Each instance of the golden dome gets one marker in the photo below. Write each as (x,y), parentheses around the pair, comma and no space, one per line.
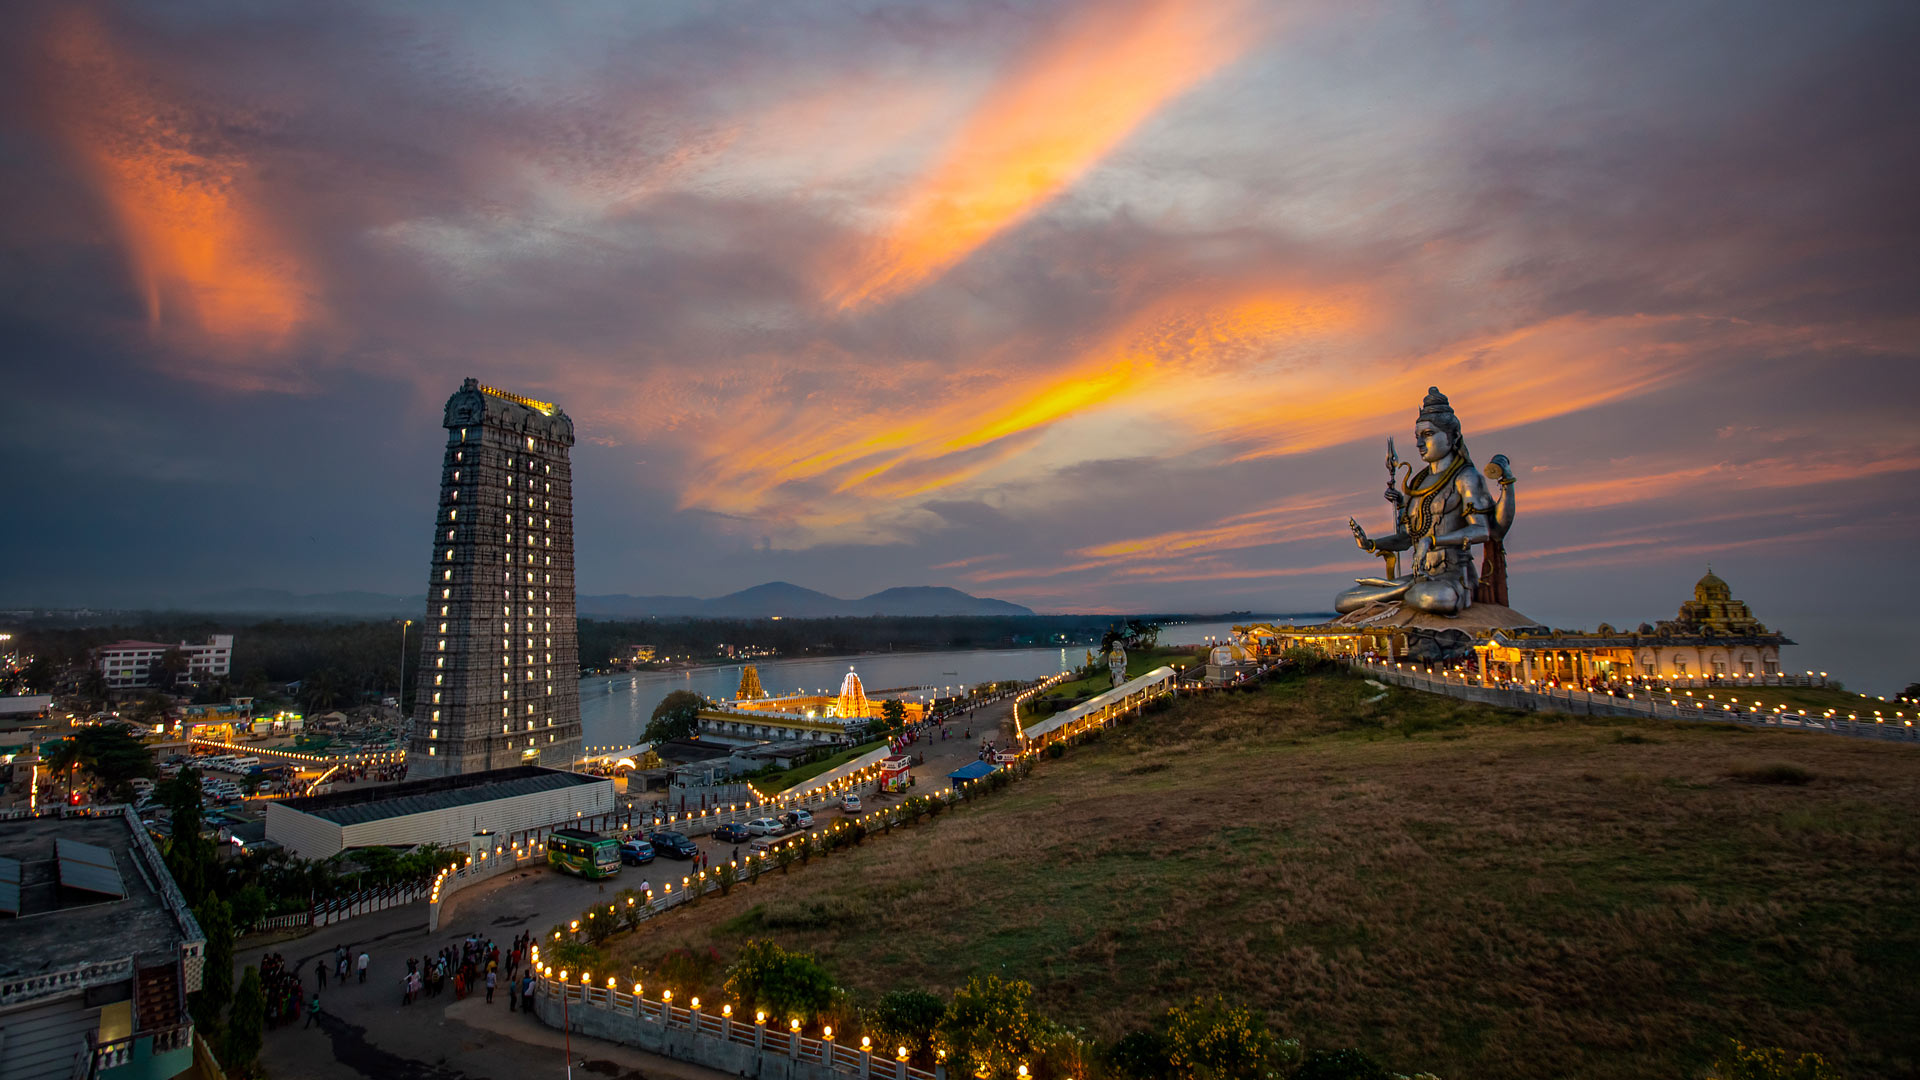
(1711,589)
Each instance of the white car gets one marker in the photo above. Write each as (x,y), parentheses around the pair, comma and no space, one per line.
(797,819)
(849,804)
(765,826)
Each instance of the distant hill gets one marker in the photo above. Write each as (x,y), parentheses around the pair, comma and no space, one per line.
(794,602)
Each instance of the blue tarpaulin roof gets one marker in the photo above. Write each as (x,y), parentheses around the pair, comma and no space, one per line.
(972,772)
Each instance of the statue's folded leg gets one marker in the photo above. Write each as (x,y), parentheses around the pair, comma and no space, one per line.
(1361,595)
(1439,596)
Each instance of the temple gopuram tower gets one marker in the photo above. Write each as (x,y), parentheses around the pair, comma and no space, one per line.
(499,680)
(749,685)
(853,697)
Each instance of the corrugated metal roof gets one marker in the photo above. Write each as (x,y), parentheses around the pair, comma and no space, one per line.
(9,886)
(88,868)
(425,802)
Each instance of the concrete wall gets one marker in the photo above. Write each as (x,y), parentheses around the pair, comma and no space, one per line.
(316,838)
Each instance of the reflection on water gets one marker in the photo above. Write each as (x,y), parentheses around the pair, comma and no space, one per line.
(614,708)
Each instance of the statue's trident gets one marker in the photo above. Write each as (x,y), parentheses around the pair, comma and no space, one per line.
(1399,505)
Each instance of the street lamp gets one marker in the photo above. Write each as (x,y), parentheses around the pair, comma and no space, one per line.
(400,692)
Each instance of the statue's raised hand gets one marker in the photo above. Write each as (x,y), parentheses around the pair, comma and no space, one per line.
(1394,496)
(1360,535)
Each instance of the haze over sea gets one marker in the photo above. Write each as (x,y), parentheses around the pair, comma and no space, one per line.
(614,708)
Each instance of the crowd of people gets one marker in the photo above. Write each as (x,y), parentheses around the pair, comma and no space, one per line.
(281,987)
(476,965)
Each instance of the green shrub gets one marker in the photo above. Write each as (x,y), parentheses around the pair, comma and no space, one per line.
(1056,751)
(1742,1062)
(785,984)
(241,1046)
(1211,1040)
(990,1028)
(1141,1055)
(907,1018)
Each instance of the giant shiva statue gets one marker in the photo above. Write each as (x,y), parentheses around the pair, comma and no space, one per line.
(1440,513)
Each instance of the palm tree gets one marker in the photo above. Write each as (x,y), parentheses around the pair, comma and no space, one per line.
(64,759)
(94,689)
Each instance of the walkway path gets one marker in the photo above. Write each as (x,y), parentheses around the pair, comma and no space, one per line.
(365,1032)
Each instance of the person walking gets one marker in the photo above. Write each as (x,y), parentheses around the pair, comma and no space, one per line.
(364,960)
(313,1010)
(491,977)
(526,992)
(320,974)
(340,962)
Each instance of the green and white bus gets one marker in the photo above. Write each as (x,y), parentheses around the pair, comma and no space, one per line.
(587,854)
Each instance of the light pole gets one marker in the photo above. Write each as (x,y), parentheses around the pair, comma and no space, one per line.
(400,692)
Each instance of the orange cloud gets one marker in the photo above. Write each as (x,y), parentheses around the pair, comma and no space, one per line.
(207,260)
(1071,103)
(993,413)
(1722,476)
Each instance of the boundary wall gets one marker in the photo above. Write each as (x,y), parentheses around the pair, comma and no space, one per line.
(709,1037)
(1654,705)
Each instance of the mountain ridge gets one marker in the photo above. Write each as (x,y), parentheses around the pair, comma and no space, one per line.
(773,598)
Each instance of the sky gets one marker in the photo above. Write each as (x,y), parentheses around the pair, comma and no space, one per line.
(1093,306)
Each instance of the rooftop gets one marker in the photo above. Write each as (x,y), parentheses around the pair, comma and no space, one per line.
(439,793)
(62,927)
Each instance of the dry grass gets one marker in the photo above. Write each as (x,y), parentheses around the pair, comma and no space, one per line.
(1446,886)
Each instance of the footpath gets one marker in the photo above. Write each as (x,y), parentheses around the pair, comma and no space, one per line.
(364,1030)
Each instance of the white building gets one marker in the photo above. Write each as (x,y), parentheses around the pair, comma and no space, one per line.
(515,803)
(126,664)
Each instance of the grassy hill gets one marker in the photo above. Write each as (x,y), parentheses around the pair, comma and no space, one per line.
(1449,887)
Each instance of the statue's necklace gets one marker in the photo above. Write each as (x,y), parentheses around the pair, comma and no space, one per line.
(1422,518)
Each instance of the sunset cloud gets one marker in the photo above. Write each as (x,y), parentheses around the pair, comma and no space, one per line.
(1079,94)
(213,272)
(1086,305)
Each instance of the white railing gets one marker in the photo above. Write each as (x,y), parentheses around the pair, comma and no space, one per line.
(708,1035)
(1097,711)
(27,987)
(1637,702)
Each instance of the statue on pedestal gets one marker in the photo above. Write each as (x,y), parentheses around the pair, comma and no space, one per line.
(1117,662)
(1440,513)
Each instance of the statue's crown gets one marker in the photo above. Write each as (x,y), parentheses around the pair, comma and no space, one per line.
(1435,403)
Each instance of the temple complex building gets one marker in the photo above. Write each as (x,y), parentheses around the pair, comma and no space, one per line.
(795,717)
(1714,637)
(499,681)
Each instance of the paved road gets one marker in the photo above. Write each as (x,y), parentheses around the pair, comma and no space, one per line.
(365,1031)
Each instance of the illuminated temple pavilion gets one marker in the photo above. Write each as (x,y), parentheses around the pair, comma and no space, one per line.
(797,717)
(1713,636)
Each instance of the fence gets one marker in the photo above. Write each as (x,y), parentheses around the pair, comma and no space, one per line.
(1097,711)
(1655,705)
(365,902)
(713,1039)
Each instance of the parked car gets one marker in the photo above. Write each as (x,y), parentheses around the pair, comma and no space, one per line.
(849,804)
(673,845)
(636,853)
(766,843)
(731,834)
(797,819)
(766,826)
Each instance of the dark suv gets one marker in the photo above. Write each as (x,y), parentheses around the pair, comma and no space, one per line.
(673,845)
(732,834)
